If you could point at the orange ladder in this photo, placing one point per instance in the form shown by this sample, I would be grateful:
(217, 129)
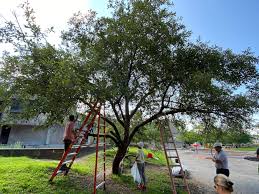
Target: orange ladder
(83, 134)
(96, 174)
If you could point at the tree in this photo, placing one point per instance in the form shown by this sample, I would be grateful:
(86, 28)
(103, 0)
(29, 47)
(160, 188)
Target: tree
(237, 137)
(190, 137)
(138, 60)
(213, 134)
(149, 134)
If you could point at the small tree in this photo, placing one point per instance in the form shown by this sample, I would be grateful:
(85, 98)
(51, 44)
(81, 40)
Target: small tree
(149, 134)
(237, 137)
(190, 137)
(139, 59)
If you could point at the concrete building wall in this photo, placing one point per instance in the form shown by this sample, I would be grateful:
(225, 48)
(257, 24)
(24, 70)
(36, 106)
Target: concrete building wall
(22, 130)
(28, 136)
(55, 135)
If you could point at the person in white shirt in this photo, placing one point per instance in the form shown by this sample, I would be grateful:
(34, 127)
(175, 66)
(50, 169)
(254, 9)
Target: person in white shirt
(140, 159)
(221, 160)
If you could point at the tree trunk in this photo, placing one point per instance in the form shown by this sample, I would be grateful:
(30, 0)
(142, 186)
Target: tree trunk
(122, 150)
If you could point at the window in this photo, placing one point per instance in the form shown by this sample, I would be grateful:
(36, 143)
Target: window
(16, 106)
(5, 134)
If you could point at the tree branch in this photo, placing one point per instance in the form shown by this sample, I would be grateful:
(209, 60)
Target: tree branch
(122, 115)
(139, 104)
(131, 65)
(164, 94)
(116, 113)
(118, 103)
(18, 23)
(108, 136)
(161, 113)
(115, 129)
(150, 119)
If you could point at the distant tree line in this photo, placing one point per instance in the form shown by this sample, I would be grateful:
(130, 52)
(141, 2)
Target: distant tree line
(202, 135)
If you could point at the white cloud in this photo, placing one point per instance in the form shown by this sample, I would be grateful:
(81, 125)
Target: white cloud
(48, 12)
(57, 12)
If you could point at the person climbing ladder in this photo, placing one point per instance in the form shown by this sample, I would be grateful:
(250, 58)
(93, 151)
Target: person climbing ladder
(68, 138)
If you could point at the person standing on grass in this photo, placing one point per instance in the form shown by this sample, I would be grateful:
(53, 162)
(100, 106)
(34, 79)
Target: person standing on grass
(68, 137)
(140, 159)
(221, 160)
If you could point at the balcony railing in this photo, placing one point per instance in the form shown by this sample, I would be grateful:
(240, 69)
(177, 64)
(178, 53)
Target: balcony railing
(33, 122)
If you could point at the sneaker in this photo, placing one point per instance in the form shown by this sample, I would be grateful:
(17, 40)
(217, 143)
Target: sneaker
(66, 171)
(139, 187)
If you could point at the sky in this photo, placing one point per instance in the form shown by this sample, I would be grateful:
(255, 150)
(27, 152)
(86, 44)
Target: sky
(227, 23)
(48, 12)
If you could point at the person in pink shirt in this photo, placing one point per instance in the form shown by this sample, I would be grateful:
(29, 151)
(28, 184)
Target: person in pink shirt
(68, 137)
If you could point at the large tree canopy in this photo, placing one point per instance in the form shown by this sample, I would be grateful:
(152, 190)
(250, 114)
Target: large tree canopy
(138, 60)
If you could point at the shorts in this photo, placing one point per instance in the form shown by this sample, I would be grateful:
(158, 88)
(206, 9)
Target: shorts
(223, 171)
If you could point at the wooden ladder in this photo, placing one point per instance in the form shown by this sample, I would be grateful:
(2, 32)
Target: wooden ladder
(172, 158)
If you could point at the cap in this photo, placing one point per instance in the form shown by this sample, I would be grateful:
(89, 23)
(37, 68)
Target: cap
(141, 144)
(217, 144)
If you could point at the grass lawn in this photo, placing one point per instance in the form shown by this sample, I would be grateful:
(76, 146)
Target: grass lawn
(26, 175)
(246, 149)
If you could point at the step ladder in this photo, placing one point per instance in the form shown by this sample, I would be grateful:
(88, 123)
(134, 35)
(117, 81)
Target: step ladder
(172, 157)
(96, 173)
(70, 155)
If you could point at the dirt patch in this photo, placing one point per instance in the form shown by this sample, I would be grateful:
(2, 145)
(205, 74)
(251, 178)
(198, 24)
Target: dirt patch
(113, 187)
(200, 188)
(195, 186)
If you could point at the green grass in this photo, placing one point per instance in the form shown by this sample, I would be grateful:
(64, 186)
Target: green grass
(158, 180)
(26, 175)
(245, 149)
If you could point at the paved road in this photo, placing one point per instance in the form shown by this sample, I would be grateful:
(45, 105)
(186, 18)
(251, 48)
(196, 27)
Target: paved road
(242, 172)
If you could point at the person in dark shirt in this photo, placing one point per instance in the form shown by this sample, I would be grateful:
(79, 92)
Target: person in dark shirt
(257, 153)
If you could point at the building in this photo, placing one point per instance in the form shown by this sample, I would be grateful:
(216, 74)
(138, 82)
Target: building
(23, 132)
